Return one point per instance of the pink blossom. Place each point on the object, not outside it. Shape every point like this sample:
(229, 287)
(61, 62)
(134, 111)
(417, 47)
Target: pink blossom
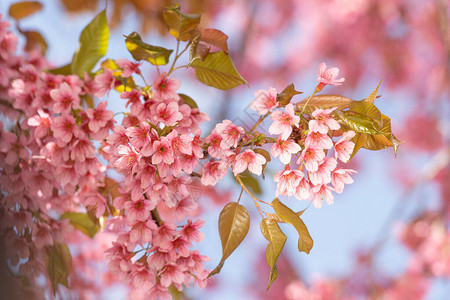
(167, 114)
(171, 274)
(65, 98)
(165, 88)
(249, 159)
(265, 101)
(288, 181)
(283, 121)
(138, 211)
(302, 190)
(96, 201)
(42, 122)
(191, 231)
(163, 151)
(64, 128)
(318, 140)
(339, 177)
(328, 76)
(344, 147)
(99, 116)
(128, 67)
(212, 173)
(141, 232)
(214, 140)
(323, 173)
(323, 121)
(230, 134)
(311, 157)
(128, 158)
(181, 144)
(142, 276)
(104, 82)
(8, 44)
(284, 149)
(82, 149)
(319, 191)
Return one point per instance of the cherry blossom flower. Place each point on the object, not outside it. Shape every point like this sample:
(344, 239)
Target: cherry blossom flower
(64, 128)
(288, 180)
(311, 157)
(302, 191)
(265, 101)
(339, 177)
(99, 116)
(323, 173)
(212, 173)
(323, 121)
(319, 191)
(104, 82)
(284, 149)
(165, 88)
(318, 140)
(344, 147)
(163, 151)
(230, 134)
(128, 67)
(214, 140)
(328, 76)
(65, 98)
(42, 122)
(283, 121)
(248, 158)
(167, 114)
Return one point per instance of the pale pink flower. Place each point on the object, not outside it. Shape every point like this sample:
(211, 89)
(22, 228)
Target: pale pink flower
(343, 148)
(139, 135)
(328, 76)
(128, 159)
(265, 101)
(65, 98)
(82, 149)
(142, 276)
(167, 114)
(311, 157)
(141, 232)
(212, 173)
(138, 211)
(230, 134)
(163, 151)
(42, 122)
(339, 177)
(64, 128)
(96, 201)
(249, 159)
(214, 140)
(285, 149)
(99, 116)
(323, 173)
(118, 136)
(191, 231)
(319, 191)
(323, 121)
(283, 121)
(42, 236)
(8, 44)
(172, 274)
(288, 181)
(196, 146)
(302, 190)
(128, 67)
(318, 140)
(165, 88)
(104, 83)
(181, 144)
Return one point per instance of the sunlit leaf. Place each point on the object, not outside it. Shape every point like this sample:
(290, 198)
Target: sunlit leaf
(251, 182)
(180, 24)
(234, 222)
(127, 84)
(218, 71)
(367, 109)
(156, 55)
(188, 100)
(24, 9)
(111, 65)
(325, 102)
(359, 139)
(63, 70)
(373, 95)
(59, 264)
(93, 45)
(359, 122)
(82, 222)
(272, 232)
(216, 38)
(286, 95)
(277, 218)
(305, 242)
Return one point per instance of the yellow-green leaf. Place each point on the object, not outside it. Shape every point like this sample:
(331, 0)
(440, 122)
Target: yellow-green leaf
(142, 51)
(180, 24)
(286, 95)
(63, 70)
(373, 95)
(93, 45)
(251, 182)
(305, 242)
(59, 264)
(325, 102)
(359, 139)
(82, 222)
(272, 232)
(188, 100)
(234, 222)
(217, 70)
(367, 109)
(24, 9)
(359, 122)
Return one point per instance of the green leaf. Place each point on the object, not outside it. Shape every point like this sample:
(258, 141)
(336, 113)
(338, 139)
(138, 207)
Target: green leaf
(180, 24)
(93, 45)
(286, 95)
(193, 54)
(359, 122)
(234, 222)
(59, 265)
(188, 100)
(218, 71)
(359, 139)
(216, 38)
(63, 70)
(272, 232)
(305, 242)
(142, 51)
(325, 102)
(367, 109)
(24, 9)
(373, 95)
(251, 182)
(82, 222)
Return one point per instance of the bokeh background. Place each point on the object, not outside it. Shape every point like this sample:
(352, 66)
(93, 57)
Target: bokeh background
(368, 240)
